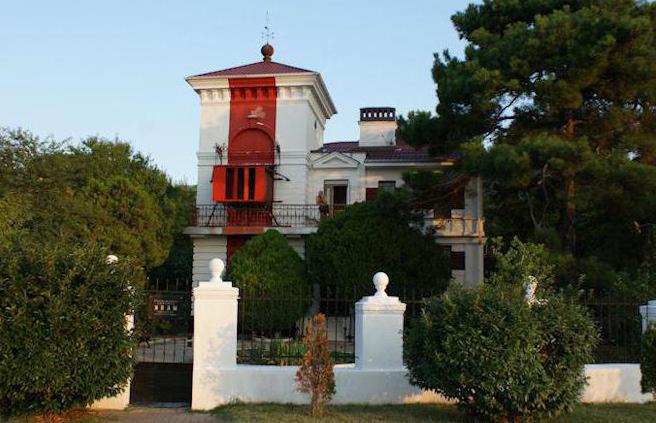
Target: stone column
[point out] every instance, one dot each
(648, 313)
(379, 329)
(215, 331)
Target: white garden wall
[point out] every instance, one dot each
(377, 377)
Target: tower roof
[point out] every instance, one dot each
(257, 68)
(265, 67)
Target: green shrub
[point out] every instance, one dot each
(502, 359)
(648, 361)
(272, 283)
(349, 248)
(63, 341)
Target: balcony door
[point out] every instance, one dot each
(336, 195)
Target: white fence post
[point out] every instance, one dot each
(648, 313)
(379, 329)
(215, 333)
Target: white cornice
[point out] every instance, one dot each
(386, 163)
(335, 160)
(312, 80)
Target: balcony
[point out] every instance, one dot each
(458, 227)
(275, 215)
(295, 216)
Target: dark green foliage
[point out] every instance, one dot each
(63, 340)
(99, 192)
(648, 362)
(178, 265)
(352, 246)
(503, 360)
(554, 104)
(266, 268)
(514, 265)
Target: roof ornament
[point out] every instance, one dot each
(267, 35)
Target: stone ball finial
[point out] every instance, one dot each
(217, 266)
(267, 52)
(381, 280)
(111, 259)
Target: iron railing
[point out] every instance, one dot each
(275, 215)
(271, 328)
(620, 328)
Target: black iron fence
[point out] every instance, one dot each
(274, 215)
(620, 328)
(271, 328)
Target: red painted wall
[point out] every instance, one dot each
(251, 137)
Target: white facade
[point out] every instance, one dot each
(308, 169)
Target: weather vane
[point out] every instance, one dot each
(267, 34)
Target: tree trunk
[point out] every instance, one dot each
(569, 203)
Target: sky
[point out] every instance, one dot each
(72, 69)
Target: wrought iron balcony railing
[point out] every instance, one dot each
(275, 215)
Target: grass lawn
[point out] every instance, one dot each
(616, 413)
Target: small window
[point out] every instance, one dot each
(230, 183)
(457, 260)
(240, 183)
(251, 183)
(371, 194)
(389, 186)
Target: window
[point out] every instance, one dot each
(251, 183)
(336, 195)
(389, 186)
(371, 194)
(457, 260)
(230, 183)
(240, 183)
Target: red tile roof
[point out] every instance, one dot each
(401, 152)
(257, 68)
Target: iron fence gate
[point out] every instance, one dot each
(164, 325)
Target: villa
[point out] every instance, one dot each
(263, 164)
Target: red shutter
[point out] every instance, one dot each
(218, 183)
(371, 194)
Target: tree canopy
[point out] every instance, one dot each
(349, 248)
(100, 192)
(554, 104)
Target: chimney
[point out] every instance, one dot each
(377, 126)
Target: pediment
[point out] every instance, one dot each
(335, 160)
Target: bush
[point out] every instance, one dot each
(502, 359)
(648, 361)
(63, 341)
(315, 376)
(266, 270)
(348, 249)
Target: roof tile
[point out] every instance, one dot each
(400, 152)
(257, 68)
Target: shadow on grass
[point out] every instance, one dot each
(598, 413)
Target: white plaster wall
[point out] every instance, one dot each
(296, 118)
(376, 174)
(214, 127)
(298, 244)
(614, 383)
(118, 402)
(206, 249)
(607, 383)
(474, 255)
(377, 133)
(294, 167)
